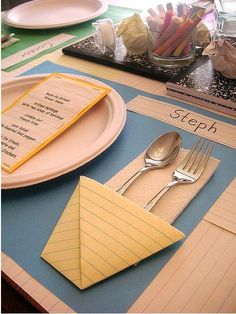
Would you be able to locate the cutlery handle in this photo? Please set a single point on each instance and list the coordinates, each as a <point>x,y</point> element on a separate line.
<point>159,195</point>
<point>5,38</point>
<point>127,184</point>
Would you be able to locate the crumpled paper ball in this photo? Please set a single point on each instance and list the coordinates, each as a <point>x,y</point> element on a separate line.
<point>203,35</point>
<point>134,34</point>
<point>223,56</point>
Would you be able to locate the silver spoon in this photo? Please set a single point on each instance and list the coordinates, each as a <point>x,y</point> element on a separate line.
<point>158,155</point>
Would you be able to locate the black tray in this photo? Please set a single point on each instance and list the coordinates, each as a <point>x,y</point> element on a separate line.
<point>139,64</point>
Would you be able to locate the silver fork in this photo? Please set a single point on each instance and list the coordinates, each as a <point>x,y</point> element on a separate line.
<point>189,170</point>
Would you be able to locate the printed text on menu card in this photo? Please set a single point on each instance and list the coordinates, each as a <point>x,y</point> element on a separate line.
<point>42,113</point>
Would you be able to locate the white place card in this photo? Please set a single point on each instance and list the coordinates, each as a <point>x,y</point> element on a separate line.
<point>193,122</point>
<point>35,50</point>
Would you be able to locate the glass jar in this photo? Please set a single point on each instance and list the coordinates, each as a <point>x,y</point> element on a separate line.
<point>172,34</point>
<point>172,52</point>
<point>225,18</point>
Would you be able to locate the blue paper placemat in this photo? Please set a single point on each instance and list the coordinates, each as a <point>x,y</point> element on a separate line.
<point>29,214</point>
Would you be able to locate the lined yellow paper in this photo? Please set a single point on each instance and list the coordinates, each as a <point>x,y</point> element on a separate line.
<point>101,233</point>
<point>42,113</point>
<point>201,276</point>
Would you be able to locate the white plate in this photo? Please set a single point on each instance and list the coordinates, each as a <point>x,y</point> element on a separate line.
<point>82,142</point>
<point>44,14</point>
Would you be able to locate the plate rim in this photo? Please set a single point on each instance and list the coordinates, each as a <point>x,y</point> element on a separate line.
<point>22,180</point>
<point>6,20</point>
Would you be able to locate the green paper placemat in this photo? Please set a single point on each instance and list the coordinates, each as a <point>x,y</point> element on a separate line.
<point>30,37</point>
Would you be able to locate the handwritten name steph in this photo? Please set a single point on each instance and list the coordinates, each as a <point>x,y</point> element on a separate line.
<point>187,118</point>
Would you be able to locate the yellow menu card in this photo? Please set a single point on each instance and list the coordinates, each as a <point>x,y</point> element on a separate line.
<point>42,113</point>
<point>101,233</point>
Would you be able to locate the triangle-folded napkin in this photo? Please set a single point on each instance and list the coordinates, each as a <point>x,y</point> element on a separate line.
<point>101,233</point>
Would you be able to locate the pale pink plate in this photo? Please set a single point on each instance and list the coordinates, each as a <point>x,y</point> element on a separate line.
<point>45,14</point>
<point>82,142</point>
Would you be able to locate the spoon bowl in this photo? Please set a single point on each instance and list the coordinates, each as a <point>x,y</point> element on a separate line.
<point>163,150</point>
<point>159,154</point>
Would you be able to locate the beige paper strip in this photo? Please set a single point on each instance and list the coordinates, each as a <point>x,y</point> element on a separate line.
<point>35,50</point>
<point>223,212</point>
<point>145,187</point>
<point>200,277</point>
<point>188,120</point>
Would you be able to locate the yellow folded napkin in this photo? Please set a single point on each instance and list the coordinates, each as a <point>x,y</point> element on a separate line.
<point>150,183</point>
<point>101,233</point>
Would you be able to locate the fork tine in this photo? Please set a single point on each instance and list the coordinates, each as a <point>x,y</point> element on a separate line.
<point>198,156</point>
<point>205,157</point>
<point>191,154</point>
<point>183,164</point>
